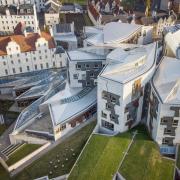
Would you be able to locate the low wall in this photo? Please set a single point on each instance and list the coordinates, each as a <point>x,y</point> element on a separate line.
<point>23,160</point>
<point>20,138</point>
<point>28,157</point>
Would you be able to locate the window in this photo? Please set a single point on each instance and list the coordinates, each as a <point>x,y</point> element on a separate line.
<point>41,66</point>
<point>34,58</point>
<point>26,59</point>
<point>91,75</point>
<point>104,115</point>
<point>20,69</point>
<point>113,99</point>
<point>17,55</point>
<point>4,63</point>
<point>12,62</point>
<point>107,125</point>
<point>28,68</point>
<point>16,48</point>
<point>6,71</point>
<point>60,64</point>
<point>87,66</point>
<point>54,64</point>
<point>78,66</point>
<point>35,66</point>
<point>63,127</point>
<point>175,122</point>
<point>47,65</point>
<point>19,61</point>
<point>40,52</point>
<point>96,65</point>
<point>14,71</point>
<point>75,76</point>
<point>87,83</point>
<point>40,57</point>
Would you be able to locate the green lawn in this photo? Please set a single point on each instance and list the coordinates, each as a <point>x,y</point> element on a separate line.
<point>4,175</point>
<point>66,153</point>
<point>21,153</point>
<point>81,2</point>
<point>145,162</point>
<point>101,157</point>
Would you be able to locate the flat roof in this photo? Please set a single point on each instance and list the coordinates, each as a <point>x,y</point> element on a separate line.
<point>26,43</point>
<point>126,65</point>
<point>166,81</point>
<point>92,53</point>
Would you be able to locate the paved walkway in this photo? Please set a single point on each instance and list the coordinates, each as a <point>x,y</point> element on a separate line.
<point>4,138</point>
<point>53,144</point>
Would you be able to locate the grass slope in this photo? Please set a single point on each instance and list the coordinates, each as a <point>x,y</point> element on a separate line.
<point>101,157</point>
<point>145,162</point>
<point>21,153</point>
<point>42,167</point>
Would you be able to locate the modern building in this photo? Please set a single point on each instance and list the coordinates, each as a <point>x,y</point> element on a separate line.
<point>85,64</point>
<point>51,12</point>
<point>47,114</point>
<point>117,33</point>
<point>64,36</point>
<point>29,52</point>
<point>121,87</point>
<point>172,41</point>
<point>164,104</point>
<point>11,16</point>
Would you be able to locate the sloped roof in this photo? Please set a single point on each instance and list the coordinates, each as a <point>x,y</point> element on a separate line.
<point>26,43</point>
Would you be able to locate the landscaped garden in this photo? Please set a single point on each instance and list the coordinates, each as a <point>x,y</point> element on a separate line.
<point>60,159</point>
<point>145,162</point>
<point>21,153</point>
<point>101,157</point>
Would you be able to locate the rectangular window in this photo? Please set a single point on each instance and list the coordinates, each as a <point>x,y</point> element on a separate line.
<point>107,125</point>
<point>14,71</point>
<point>6,71</point>
<point>41,66</point>
<point>20,69</point>
<point>35,66</point>
<point>28,68</point>
<point>47,65</point>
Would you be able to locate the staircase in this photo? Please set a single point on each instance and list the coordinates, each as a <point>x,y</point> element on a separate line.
<point>11,149</point>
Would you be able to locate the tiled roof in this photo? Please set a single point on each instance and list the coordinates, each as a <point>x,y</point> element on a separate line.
<point>26,43</point>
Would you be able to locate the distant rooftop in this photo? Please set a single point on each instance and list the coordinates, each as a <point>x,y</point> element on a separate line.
<point>113,32</point>
<point>26,43</point>
<point>22,9</point>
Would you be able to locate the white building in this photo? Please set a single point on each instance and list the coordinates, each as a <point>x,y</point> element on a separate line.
<point>121,87</point>
<point>29,52</point>
<point>11,16</point>
<point>64,36</point>
<point>39,4</point>
<point>85,64</point>
<point>172,41</point>
<point>164,104</point>
<point>51,10</point>
<point>117,33</point>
